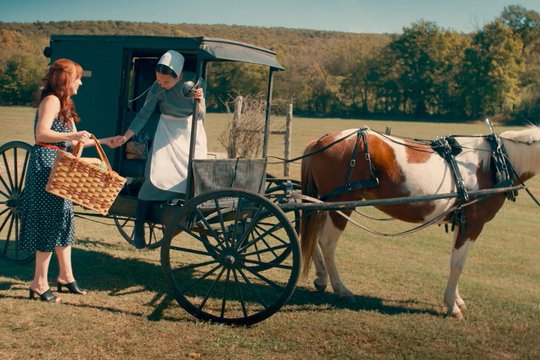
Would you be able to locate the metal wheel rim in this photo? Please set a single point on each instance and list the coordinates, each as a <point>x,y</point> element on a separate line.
<point>14,157</point>
<point>153,232</point>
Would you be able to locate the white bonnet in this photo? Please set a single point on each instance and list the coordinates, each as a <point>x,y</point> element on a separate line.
<point>173,60</point>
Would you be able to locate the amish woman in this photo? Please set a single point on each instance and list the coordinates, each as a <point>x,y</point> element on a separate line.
<point>47,220</point>
<point>167,167</point>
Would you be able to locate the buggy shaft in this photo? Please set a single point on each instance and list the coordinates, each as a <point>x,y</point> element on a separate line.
<point>351,205</point>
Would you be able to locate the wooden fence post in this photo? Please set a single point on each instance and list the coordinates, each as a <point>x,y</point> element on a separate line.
<point>238,102</point>
<point>288,137</point>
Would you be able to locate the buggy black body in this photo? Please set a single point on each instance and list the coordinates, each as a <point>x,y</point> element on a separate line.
<point>118,69</point>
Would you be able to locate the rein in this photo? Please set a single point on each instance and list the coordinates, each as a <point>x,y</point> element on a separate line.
<point>286,161</point>
<point>455,208</point>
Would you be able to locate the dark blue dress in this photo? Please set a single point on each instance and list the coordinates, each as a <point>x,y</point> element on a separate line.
<point>46,219</point>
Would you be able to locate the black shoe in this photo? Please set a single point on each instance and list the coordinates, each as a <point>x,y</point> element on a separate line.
<point>138,232</point>
<point>72,287</point>
<point>45,296</point>
<point>138,235</point>
<point>138,241</point>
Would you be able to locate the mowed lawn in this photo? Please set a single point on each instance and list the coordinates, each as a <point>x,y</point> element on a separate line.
<point>398,282</point>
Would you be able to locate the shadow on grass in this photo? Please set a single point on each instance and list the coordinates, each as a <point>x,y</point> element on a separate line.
<point>305,298</point>
<point>100,271</point>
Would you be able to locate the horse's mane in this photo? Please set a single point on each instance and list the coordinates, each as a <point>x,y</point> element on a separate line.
<point>528,135</point>
<point>522,147</point>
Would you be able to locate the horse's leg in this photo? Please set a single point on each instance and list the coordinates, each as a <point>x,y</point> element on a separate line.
<point>328,241</point>
<point>459,300</point>
<point>321,274</point>
<point>460,249</point>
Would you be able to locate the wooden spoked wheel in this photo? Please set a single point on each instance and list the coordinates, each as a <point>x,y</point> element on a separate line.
<point>153,233</point>
<point>236,259</point>
<point>278,191</point>
<point>14,158</point>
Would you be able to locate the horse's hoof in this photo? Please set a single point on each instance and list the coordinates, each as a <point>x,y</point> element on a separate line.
<point>320,288</point>
<point>347,299</point>
<point>458,315</point>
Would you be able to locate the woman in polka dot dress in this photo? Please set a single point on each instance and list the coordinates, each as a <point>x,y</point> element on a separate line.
<point>47,220</point>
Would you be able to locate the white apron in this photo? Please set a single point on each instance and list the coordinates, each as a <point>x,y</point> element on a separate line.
<point>170,152</point>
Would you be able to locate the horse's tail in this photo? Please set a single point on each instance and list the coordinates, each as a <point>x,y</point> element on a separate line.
<point>311,221</point>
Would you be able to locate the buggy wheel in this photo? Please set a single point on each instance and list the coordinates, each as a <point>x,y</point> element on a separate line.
<point>14,158</point>
<point>153,233</point>
<point>278,191</point>
<point>236,259</point>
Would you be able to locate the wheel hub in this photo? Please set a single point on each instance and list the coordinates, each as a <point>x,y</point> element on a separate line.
<point>231,259</point>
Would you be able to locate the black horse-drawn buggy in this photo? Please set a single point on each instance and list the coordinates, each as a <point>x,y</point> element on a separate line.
<point>229,253</point>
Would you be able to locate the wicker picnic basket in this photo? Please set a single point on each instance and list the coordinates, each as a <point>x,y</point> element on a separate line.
<point>88,182</point>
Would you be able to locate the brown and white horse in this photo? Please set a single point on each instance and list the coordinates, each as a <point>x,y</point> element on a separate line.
<point>405,168</point>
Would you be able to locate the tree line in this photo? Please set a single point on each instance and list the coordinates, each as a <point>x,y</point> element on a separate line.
<point>425,72</point>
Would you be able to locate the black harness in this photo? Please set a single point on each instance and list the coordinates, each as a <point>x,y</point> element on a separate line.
<point>504,172</point>
<point>448,148</point>
<point>373,181</point>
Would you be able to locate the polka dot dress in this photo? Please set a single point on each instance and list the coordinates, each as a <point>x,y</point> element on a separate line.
<point>46,219</point>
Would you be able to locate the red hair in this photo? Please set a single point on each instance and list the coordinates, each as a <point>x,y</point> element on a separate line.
<point>57,82</point>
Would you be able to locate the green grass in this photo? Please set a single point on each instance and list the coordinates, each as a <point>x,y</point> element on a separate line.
<point>398,282</point>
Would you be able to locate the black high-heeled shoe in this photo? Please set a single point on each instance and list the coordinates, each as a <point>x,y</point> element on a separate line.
<point>72,287</point>
<point>47,296</point>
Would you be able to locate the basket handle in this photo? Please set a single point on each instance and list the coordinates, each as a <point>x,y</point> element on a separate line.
<point>77,151</point>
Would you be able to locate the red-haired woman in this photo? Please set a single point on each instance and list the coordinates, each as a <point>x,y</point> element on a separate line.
<point>47,220</point>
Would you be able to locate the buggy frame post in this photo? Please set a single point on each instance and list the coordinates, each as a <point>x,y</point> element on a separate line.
<point>267,115</point>
<point>193,138</point>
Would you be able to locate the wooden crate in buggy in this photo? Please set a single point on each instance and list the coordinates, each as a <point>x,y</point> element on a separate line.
<point>218,174</point>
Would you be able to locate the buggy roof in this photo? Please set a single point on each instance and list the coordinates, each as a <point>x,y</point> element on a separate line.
<point>209,49</point>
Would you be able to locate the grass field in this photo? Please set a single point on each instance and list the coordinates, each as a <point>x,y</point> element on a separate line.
<point>398,282</point>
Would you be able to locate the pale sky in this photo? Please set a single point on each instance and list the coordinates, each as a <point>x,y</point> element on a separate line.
<point>358,16</point>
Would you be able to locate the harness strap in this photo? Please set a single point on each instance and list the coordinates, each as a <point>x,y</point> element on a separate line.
<point>458,218</point>
<point>447,147</point>
<point>352,163</point>
<point>361,184</point>
<point>504,172</point>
